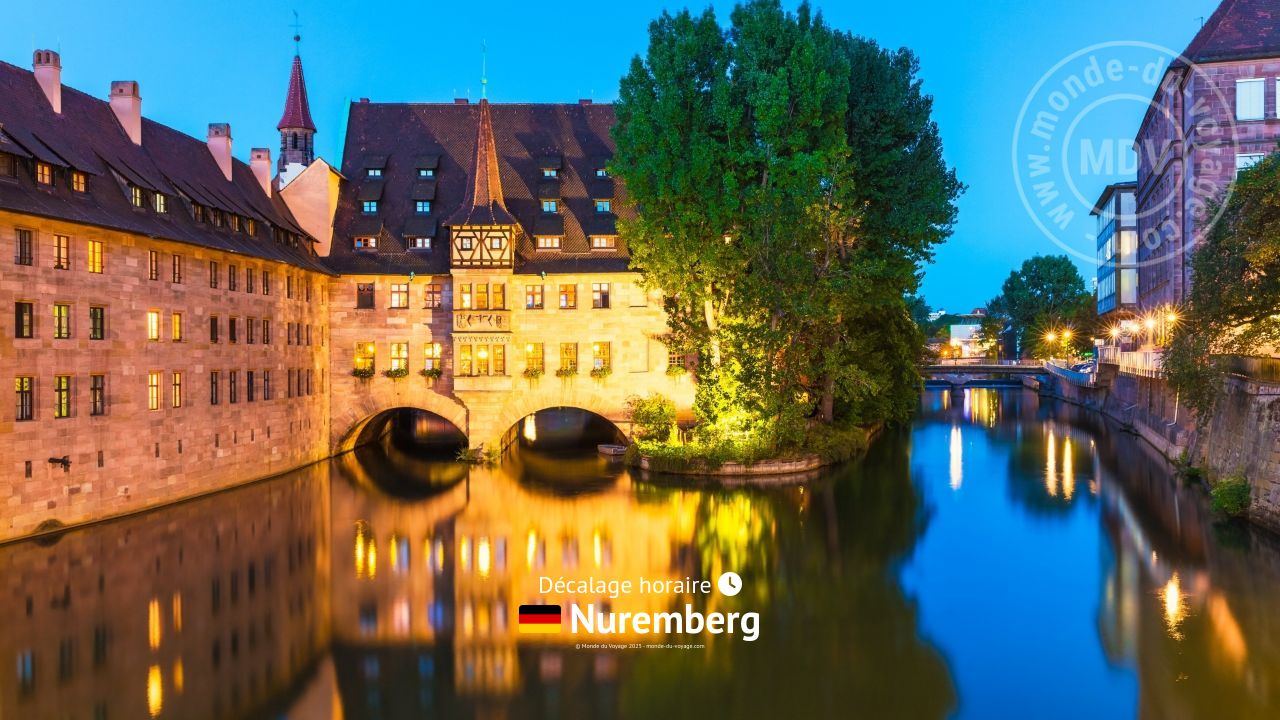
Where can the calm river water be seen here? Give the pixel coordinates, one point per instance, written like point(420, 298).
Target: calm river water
point(1003, 557)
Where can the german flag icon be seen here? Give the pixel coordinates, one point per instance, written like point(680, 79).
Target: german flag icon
point(540, 619)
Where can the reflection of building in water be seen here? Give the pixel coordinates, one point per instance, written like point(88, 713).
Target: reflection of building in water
point(455, 567)
point(209, 609)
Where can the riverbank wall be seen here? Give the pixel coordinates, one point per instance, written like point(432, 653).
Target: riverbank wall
point(1242, 438)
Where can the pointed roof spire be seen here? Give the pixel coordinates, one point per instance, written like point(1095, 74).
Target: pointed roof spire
point(484, 203)
point(297, 111)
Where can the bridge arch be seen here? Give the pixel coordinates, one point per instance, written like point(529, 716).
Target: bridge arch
point(360, 409)
point(506, 418)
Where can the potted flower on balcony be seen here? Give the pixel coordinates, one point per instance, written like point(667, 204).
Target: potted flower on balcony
point(363, 373)
point(396, 373)
point(533, 373)
point(567, 372)
point(602, 372)
point(676, 370)
point(432, 373)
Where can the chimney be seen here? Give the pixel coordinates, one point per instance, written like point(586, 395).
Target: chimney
point(126, 102)
point(584, 101)
point(461, 101)
point(260, 163)
point(48, 69)
point(220, 146)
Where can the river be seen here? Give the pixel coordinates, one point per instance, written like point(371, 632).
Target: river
point(1005, 556)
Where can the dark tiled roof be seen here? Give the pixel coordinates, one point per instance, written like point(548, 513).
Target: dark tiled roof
point(1238, 30)
point(525, 137)
point(483, 203)
point(297, 110)
point(87, 137)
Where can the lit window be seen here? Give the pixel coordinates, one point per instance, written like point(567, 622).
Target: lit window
point(399, 356)
point(176, 394)
point(153, 324)
point(400, 295)
point(160, 202)
point(464, 360)
point(422, 207)
point(44, 173)
point(373, 172)
point(599, 295)
point(548, 242)
point(497, 242)
point(426, 173)
point(464, 296)
point(482, 296)
point(1249, 99)
point(366, 242)
point(550, 206)
point(499, 359)
point(603, 242)
point(499, 292)
point(604, 206)
point(176, 326)
point(431, 356)
point(569, 357)
point(23, 386)
point(370, 207)
point(61, 321)
point(600, 359)
point(364, 356)
point(434, 296)
point(533, 297)
point(602, 172)
point(568, 297)
point(235, 223)
point(251, 226)
point(419, 242)
point(550, 172)
point(78, 181)
point(153, 391)
point(135, 195)
point(61, 252)
point(464, 242)
point(62, 396)
point(95, 256)
point(533, 357)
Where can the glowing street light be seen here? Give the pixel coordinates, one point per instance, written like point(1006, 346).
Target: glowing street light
point(1066, 336)
point(1050, 336)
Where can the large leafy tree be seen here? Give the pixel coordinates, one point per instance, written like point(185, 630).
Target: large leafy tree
point(1046, 293)
point(1234, 304)
point(790, 184)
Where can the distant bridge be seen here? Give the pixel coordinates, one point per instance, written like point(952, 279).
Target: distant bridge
point(981, 374)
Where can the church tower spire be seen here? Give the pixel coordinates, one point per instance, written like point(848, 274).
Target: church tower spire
point(297, 131)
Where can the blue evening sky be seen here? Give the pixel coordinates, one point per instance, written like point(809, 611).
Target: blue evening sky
point(201, 62)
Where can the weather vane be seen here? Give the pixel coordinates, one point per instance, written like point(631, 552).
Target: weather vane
point(297, 33)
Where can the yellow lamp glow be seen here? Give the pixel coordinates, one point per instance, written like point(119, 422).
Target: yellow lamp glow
point(1050, 337)
point(1149, 323)
point(1066, 335)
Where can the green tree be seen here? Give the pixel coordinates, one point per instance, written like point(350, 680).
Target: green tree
point(1047, 294)
point(1240, 317)
point(790, 184)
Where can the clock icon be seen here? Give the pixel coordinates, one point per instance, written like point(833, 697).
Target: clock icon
point(730, 584)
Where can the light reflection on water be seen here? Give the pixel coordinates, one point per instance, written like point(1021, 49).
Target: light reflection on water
point(961, 569)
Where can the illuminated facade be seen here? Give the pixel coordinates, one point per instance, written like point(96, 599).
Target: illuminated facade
point(1117, 273)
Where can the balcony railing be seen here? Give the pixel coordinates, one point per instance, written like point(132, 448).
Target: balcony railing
point(1144, 363)
point(1075, 377)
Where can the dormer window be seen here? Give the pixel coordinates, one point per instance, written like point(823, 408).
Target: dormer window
point(44, 173)
point(602, 172)
point(548, 242)
point(251, 226)
point(160, 202)
point(373, 172)
point(550, 206)
point(366, 242)
point(604, 206)
point(422, 207)
point(370, 207)
point(235, 223)
point(135, 196)
point(8, 165)
point(197, 211)
point(603, 242)
point(426, 173)
point(550, 172)
point(78, 181)
point(419, 242)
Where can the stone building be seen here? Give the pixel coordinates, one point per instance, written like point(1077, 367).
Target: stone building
point(1215, 112)
point(165, 317)
point(183, 321)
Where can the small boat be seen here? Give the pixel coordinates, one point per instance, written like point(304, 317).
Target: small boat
point(612, 450)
